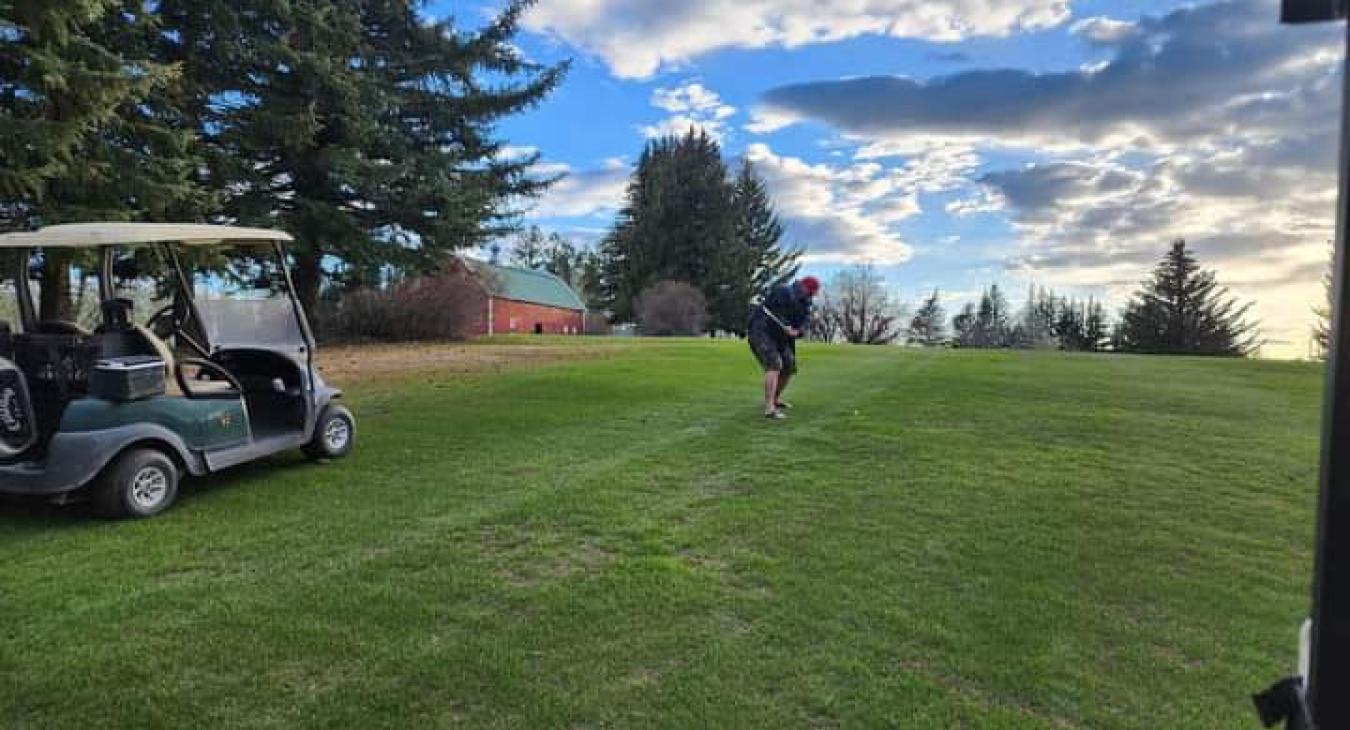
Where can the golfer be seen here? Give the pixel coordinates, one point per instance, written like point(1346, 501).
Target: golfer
point(775, 325)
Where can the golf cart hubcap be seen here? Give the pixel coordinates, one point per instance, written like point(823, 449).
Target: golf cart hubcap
point(335, 434)
point(149, 487)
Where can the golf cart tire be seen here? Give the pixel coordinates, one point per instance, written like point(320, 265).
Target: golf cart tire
point(334, 434)
point(140, 483)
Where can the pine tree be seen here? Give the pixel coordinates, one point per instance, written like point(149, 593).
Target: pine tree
point(678, 223)
point(984, 324)
point(530, 249)
point(1183, 310)
point(1322, 328)
point(1071, 324)
point(927, 328)
point(86, 130)
point(364, 131)
point(754, 261)
point(991, 328)
point(573, 264)
point(1096, 329)
point(1036, 327)
point(1081, 326)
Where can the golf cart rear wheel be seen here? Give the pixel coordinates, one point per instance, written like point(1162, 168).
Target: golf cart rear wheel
point(334, 434)
point(140, 483)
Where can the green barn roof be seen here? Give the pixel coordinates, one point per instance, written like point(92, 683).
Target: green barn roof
point(526, 285)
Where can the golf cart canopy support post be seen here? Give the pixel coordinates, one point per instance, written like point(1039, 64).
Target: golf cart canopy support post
point(1326, 701)
point(1329, 674)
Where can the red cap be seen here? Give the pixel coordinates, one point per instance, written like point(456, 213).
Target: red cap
point(811, 285)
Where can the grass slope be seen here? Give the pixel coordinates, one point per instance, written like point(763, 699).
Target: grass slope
point(935, 540)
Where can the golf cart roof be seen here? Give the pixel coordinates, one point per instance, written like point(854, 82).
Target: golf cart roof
point(84, 235)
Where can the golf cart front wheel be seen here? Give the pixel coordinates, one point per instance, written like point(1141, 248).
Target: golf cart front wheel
point(140, 483)
point(334, 434)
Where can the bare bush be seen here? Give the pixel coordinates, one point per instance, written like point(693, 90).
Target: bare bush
point(597, 323)
point(859, 308)
point(442, 307)
point(672, 308)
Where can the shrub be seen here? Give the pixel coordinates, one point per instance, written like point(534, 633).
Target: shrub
point(441, 307)
point(597, 323)
point(671, 308)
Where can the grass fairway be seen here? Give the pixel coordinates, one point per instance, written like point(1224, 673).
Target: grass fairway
point(934, 540)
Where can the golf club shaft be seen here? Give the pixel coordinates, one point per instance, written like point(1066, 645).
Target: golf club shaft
point(776, 320)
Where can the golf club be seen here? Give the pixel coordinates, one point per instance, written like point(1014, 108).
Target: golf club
point(775, 318)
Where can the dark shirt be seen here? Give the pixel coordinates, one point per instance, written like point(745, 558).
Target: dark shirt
point(789, 304)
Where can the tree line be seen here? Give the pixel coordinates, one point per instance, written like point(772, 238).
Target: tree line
point(1180, 309)
point(360, 127)
point(695, 244)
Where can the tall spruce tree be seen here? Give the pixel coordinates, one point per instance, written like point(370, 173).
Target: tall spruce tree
point(363, 130)
point(927, 327)
point(86, 130)
point(1183, 310)
point(755, 261)
point(678, 223)
point(685, 220)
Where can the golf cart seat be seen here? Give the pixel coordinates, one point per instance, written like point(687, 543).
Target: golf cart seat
point(159, 348)
point(200, 388)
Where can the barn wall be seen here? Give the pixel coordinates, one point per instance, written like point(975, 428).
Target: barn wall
point(510, 316)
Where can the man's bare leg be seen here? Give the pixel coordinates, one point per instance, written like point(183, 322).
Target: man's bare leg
point(783, 379)
point(771, 390)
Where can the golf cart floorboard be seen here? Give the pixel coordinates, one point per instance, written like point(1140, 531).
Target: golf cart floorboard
point(264, 443)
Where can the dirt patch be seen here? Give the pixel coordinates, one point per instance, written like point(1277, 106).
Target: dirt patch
point(355, 363)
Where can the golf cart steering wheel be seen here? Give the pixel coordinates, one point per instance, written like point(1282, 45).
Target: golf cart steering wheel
point(162, 328)
point(166, 323)
point(205, 367)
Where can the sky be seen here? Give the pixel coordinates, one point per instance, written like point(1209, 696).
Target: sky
point(959, 143)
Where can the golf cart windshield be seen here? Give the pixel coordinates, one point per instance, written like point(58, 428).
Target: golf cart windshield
point(141, 276)
point(244, 300)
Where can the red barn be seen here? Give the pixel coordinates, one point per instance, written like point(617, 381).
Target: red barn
point(525, 301)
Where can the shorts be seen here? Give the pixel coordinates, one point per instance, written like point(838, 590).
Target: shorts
point(772, 353)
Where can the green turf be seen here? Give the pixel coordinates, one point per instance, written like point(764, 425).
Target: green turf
point(934, 540)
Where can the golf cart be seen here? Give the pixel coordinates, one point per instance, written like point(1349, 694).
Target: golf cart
point(196, 356)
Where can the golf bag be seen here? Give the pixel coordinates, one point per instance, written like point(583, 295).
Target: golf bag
point(18, 427)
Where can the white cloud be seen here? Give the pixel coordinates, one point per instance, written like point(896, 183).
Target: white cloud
point(636, 38)
point(1263, 228)
point(766, 120)
point(516, 152)
point(1173, 80)
point(691, 97)
point(984, 201)
point(1104, 31)
point(691, 106)
point(580, 193)
point(1211, 123)
point(837, 213)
